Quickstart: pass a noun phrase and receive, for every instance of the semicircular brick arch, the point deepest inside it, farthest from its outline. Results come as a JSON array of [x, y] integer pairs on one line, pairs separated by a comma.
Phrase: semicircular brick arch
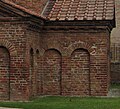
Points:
[[52, 48], [9, 46], [78, 45]]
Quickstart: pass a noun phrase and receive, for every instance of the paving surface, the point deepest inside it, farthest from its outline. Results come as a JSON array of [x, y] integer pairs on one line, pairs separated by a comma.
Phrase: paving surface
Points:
[[114, 93]]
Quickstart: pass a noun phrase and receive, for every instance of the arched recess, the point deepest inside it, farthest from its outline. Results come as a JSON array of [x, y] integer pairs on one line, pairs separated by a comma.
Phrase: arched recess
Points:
[[31, 70], [80, 44], [52, 72], [80, 72], [37, 72], [10, 46], [4, 73]]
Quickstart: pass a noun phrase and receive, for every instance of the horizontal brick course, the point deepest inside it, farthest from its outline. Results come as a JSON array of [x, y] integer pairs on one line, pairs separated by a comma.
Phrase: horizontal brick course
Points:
[[53, 58]]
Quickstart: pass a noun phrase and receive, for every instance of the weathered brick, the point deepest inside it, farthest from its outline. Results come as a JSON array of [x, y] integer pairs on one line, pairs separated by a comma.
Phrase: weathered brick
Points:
[[53, 58]]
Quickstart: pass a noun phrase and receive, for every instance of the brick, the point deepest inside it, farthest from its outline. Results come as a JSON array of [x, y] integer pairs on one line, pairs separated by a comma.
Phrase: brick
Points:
[[53, 59]]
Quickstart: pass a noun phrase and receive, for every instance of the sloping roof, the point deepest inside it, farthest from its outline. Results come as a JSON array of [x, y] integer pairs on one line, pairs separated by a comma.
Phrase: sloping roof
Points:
[[80, 10], [71, 9], [33, 5], [27, 11]]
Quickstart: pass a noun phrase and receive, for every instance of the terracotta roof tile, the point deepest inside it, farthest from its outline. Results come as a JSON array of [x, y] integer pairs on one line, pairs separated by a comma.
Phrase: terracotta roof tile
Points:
[[33, 5], [80, 10], [21, 8]]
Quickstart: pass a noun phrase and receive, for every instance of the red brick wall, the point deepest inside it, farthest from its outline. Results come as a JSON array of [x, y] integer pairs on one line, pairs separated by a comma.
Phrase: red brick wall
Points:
[[52, 73], [62, 62], [32, 58], [96, 67], [31, 70], [80, 72], [12, 36], [4, 73]]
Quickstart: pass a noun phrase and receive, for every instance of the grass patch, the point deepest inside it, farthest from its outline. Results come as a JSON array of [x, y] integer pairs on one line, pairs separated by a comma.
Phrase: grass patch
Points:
[[66, 103], [115, 86]]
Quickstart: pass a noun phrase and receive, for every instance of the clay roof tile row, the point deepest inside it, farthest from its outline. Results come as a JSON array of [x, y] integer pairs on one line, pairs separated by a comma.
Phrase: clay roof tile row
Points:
[[73, 9], [80, 10], [22, 8]]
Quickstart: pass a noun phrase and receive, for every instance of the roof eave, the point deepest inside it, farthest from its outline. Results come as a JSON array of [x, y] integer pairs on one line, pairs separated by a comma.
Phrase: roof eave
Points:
[[21, 10]]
